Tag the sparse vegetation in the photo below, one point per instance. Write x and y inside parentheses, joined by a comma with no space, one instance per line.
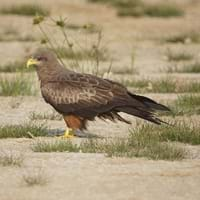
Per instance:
(45,116)
(55,146)
(138,8)
(17,86)
(25,9)
(190,37)
(10,158)
(17,66)
(35,177)
(186,104)
(165,85)
(146,141)
(68,53)
(182,56)
(23,130)
(179,131)
(189,68)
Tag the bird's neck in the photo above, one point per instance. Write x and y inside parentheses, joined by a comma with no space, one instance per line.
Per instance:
(46,74)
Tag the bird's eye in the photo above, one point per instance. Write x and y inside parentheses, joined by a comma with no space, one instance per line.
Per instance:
(42,58)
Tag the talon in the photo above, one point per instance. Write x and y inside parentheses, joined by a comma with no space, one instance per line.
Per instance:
(69,133)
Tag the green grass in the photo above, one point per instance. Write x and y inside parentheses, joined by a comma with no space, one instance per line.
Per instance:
(163,10)
(24,9)
(138,8)
(23,130)
(17,86)
(179,131)
(164,85)
(68,53)
(182,56)
(11,159)
(186,105)
(55,146)
(158,86)
(17,37)
(16,66)
(191,37)
(187,68)
(148,141)
(45,116)
(191,68)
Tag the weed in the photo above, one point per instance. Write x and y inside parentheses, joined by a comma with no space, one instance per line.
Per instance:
(11,158)
(23,130)
(35,177)
(25,9)
(17,86)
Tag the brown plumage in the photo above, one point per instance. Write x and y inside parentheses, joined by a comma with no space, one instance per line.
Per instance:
(82,97)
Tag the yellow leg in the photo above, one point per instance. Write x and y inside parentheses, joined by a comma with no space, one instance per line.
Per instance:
(69,133)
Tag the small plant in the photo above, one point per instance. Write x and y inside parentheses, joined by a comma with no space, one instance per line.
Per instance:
(163,10)
(11,158)
(17,66)
(138,8)
(191,68)
(190,37)
(81,55)
(23,130)
(35,177)
(139,145)
(186,104)
(178,131)
(46,116)
(25,9)
(72,50)
(55,146)
(17,86)
(182,56)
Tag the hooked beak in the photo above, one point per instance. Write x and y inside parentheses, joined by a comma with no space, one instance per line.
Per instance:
(31,62)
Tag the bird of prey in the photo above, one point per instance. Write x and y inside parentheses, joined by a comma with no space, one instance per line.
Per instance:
(82,97)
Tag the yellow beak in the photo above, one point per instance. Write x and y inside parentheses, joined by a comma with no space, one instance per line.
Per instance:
(31,61)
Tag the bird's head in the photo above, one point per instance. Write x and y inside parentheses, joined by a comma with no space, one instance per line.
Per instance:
(42,58)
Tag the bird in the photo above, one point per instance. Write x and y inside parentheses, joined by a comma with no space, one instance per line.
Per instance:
(81,97)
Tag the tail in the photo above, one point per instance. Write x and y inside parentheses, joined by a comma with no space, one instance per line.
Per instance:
(145,109)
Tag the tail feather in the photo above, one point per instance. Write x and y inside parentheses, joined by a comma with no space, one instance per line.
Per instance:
(149,116)
(145,108)
(150,103)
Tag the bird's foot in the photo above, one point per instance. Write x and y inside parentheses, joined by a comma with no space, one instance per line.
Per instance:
(69,133)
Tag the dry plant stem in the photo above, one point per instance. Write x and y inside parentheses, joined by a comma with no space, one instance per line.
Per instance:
(50,43)
(69,45)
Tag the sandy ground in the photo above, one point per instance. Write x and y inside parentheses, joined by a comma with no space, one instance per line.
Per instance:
(94,176)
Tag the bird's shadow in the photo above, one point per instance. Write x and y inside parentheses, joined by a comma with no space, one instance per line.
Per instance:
(78,133)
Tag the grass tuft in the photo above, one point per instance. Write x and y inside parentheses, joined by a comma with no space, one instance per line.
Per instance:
(165,85)
(182,56)
(35,177)
(17,86)
(68,53)
(11,158)
(138,8)
(25,9)
(192,68)
(148,141)
(55,146)
(17,66)
(45,116)
(23,130)
(191,37)
(186,105)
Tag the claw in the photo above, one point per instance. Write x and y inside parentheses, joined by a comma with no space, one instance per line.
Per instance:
(69,133)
